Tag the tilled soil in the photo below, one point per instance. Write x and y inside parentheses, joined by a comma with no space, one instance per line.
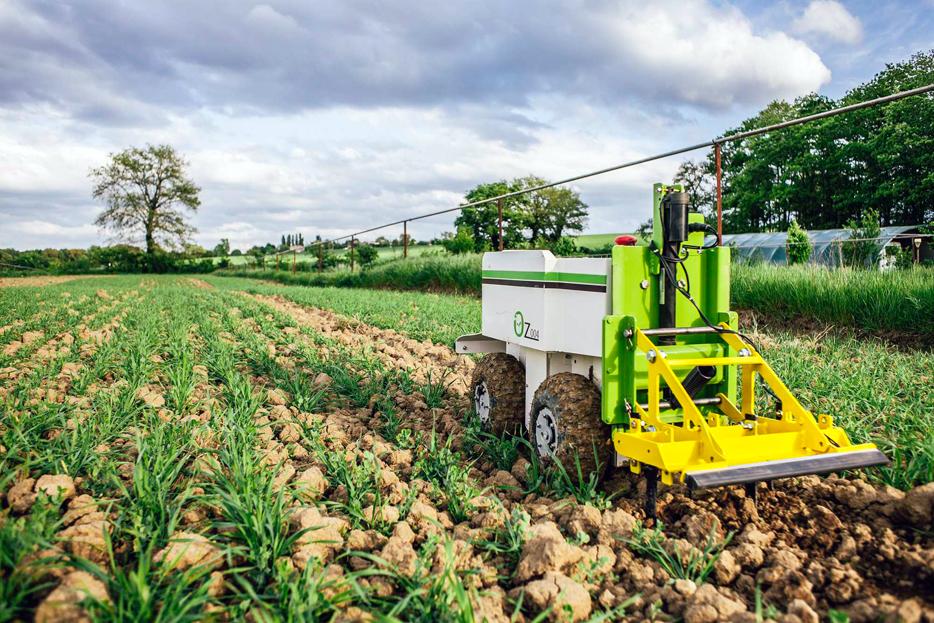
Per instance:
(806,547)
(44,280)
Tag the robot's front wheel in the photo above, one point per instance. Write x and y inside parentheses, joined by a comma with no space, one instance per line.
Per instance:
(498,393)
(566,424)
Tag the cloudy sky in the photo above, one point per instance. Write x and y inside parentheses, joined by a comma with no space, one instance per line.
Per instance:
(328,116)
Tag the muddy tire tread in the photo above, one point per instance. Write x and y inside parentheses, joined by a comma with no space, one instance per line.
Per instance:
(505,381)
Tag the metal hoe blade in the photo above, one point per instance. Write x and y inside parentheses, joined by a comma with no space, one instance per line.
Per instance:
(785,468)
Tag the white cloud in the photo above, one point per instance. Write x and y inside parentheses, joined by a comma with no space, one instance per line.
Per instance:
(322,122)
(45,228)
(830,19)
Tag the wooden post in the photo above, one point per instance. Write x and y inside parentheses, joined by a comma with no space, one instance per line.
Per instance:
(351,254)
(405,239)
(320,258)
(499,205)
(716,151)
(293,260)
(277,262)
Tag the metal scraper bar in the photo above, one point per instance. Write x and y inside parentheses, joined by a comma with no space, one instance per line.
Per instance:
(785,468)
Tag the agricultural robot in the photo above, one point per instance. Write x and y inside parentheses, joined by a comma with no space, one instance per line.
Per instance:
(637,359)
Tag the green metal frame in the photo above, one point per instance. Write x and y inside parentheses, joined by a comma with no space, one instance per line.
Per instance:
(635,302)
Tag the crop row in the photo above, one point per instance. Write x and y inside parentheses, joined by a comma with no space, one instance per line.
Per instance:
(167,430)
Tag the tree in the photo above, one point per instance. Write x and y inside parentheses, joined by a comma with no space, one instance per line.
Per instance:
(195,250)
(826,173)
(146,192)
(699,185)
(457,244)
(367,254)
(222,249)
(532,207)
(259,256)
(544,214)
(798,244)
(862,248)
(564,212)
(482,221)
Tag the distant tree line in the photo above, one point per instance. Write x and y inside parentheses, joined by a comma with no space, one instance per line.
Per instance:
(119,258)
(833,172)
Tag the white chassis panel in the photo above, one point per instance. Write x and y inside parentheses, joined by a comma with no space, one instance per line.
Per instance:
(545,311)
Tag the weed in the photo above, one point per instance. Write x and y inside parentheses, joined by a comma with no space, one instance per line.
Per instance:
(449,473)
(508,540)
(146,591)
(764,612)
(501,450)
(695,565)
(434,391)
(436,591)
(20,538)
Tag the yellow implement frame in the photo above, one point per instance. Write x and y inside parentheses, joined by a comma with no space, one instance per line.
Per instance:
(735,436)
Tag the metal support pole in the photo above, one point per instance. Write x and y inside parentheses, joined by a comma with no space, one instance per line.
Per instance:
(405,238)
(499,205)
(351,254)
(716,152)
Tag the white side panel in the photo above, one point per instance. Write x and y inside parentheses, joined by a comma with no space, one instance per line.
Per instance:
(514,313)
(549,313)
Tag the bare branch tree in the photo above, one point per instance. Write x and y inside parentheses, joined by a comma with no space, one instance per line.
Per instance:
(146,191)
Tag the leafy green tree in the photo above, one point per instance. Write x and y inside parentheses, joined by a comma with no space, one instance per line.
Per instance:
(145,192)
(549,213)
(532,207)
(564,213)
(367,254)
(798,244)
(564,246)
(826,173)
(482,221)
(862,248)
(222,249)
(698,180)
(459,243)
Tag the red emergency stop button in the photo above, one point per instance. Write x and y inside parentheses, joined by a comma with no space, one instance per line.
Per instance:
(626,240)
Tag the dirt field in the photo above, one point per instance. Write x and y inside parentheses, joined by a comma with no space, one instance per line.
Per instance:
(44,280)
(177,449)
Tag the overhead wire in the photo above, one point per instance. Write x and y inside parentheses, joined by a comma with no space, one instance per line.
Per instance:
(738,136)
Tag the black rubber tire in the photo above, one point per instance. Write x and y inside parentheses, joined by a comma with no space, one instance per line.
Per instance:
(503,378)
(574,403)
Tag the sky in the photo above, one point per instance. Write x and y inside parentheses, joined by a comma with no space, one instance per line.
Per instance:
(331,116)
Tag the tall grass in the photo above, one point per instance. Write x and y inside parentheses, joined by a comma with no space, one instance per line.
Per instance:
(872,301)
(878,302)
(440,273)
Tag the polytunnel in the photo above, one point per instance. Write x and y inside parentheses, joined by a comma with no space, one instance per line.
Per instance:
(827,244)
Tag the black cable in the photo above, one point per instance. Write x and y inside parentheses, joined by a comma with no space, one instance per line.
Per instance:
(686,293)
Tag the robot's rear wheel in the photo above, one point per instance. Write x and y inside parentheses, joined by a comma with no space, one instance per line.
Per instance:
(566,424)
(498,393)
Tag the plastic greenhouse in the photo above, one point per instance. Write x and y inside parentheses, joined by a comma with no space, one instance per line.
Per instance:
(827,244)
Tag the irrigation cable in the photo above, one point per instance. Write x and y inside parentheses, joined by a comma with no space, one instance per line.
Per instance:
(674,152)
